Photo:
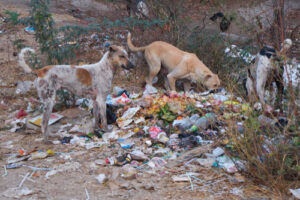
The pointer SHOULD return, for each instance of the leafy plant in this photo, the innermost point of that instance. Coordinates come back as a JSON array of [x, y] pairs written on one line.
[[12, 17], [191, 108], [165, 114]]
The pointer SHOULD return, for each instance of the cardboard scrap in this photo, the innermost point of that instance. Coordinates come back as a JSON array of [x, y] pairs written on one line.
[[54, 117]]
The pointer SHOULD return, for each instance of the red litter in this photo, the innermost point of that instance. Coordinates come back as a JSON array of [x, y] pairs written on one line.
[[21, 114]]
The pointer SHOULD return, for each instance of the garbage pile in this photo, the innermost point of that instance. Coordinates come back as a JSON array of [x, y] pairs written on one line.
[[156, 126]]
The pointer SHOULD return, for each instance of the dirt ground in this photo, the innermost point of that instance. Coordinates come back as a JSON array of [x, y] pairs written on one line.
[[78, 180]]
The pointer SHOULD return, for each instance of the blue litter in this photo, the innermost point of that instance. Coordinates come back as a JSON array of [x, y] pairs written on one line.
[[29, 29]]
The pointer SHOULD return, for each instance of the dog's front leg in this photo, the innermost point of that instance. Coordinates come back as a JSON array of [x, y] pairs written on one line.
[[186, 85], [172, 82], [166, 84], [102, 109], [273, 91], [96, 114], [261, 78], [174, 75]]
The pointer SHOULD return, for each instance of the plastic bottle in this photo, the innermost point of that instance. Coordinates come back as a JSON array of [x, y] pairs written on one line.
[[205, 121], [194, 118], [193, 129], [39, 155], [202, 123], [183, 124]]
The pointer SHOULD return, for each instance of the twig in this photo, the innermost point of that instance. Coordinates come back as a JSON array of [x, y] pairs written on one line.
[[25, 177], [28, 178], [192, 186], [38, 169], [190, 161], [197, 178]]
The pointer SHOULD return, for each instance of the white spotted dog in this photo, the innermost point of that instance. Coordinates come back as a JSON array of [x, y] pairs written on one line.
[[263, 73], [91, 81]]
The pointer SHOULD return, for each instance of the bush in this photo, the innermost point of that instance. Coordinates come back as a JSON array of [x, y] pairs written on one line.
[[272, 158]]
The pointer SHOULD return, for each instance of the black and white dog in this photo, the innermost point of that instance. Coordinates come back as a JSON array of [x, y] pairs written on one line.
[[263, 73]]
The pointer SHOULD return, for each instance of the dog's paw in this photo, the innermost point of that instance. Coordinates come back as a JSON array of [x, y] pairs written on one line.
[[173, 94]]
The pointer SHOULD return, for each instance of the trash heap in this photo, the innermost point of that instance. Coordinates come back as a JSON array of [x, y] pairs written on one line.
[[156, 126]]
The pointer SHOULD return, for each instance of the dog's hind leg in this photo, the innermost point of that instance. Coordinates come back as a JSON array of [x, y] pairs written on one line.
[[154, 66], [48, 106], [46, 89], [261, 79], [96, 114]]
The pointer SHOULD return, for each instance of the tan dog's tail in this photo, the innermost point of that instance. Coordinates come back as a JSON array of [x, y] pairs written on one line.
[[132, 47], [21, 60]]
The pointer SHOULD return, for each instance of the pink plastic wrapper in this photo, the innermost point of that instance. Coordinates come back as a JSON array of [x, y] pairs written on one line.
[[154, 131]]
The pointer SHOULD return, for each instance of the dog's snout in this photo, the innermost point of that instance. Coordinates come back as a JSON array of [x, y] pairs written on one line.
[[130, 65], [215, 90]]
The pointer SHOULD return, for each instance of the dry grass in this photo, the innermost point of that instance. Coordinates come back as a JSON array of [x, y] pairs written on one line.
[[271, 152]]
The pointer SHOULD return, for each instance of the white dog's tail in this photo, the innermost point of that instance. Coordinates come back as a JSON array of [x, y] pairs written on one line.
[[21, 60], [132, 47]]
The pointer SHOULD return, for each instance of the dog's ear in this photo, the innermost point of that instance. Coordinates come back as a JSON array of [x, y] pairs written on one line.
[[113, 48], [207, 76]]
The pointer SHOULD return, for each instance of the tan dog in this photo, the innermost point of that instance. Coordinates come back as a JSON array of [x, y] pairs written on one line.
[[180, 65]]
